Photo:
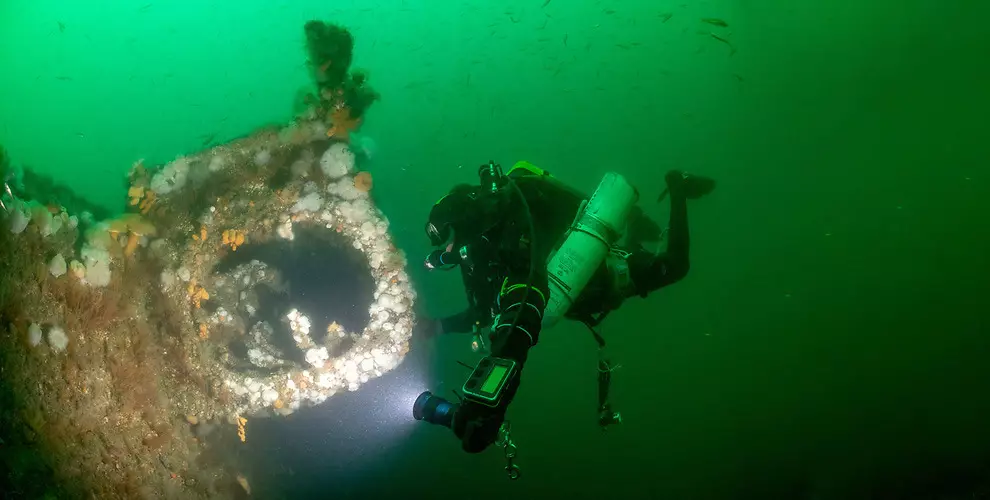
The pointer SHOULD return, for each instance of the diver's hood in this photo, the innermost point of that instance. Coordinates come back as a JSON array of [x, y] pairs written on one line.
[[467, 212]]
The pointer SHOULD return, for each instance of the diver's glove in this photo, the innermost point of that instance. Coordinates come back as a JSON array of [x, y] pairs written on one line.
[[690, 186], [477, 425], [426, 328]]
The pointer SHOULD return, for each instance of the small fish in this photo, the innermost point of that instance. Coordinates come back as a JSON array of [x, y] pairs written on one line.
[[545, 3], [146, 7], [666, 16], [208, 138], [732, 48], [715, 22], [61, 26]]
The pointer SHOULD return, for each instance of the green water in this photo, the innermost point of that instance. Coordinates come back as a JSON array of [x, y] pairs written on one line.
[[831, 339]]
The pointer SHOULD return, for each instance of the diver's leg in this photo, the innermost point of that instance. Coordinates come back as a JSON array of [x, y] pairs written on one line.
[[650, 271], [678, 240]]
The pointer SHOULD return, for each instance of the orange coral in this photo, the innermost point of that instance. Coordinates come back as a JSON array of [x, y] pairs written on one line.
[[132, 242], [135, 193], [134, 226], [147, 202], [202, 234], [240, 428], [200, 295], [233, 238], [141, 197], [197, 293], [341, 123], [204, 332], [132, 223], [363, 182]]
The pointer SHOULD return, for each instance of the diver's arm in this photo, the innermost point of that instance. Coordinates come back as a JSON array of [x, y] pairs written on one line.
[[522, 304], [461, 322], [477, 425], [428, 328]]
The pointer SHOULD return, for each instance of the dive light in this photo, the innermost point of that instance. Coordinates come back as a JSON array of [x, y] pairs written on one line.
[[485, 386], [433, 409]]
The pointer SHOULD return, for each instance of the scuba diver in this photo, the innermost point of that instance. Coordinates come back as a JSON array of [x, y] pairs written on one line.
[[533, 251]]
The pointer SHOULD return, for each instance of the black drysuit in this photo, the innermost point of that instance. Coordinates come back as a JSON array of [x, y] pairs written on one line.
[[553, 206]]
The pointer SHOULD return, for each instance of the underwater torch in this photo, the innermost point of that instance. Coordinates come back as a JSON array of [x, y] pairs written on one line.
[[434, 409]]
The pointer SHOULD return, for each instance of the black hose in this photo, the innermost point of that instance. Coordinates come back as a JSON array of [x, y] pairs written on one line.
[[532, 257]]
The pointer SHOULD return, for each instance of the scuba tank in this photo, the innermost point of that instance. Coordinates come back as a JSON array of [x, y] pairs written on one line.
[[597, 227]]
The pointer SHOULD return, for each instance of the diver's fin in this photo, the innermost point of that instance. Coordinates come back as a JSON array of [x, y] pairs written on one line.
[[696, 186], [691, 185]]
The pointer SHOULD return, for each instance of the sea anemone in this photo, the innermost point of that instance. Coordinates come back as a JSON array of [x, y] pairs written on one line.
[[337, 161], [261, 158], [363, 182]]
